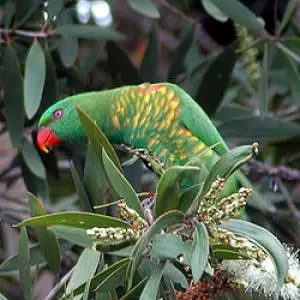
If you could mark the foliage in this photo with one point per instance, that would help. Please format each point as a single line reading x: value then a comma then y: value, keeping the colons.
x: 125, y: 245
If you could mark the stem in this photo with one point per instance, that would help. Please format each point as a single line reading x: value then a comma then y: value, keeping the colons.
x: 32, y: 34
x: 59, y: 285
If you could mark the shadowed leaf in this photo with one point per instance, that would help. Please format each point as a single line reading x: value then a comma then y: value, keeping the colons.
x: 34, y: 79
x: 13, y: 95
x: 24, y: 266
x: 48, y: 243
x: 145, y: 7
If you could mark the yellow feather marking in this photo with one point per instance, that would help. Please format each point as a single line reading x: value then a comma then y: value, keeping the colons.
x: 127, y: 121
x: 147, y: 110
x: 116, y: 121
x: 170, y: 94
x: 174, y: 103
x: 146, y: 98
x: 135, y: 120
x: 208, y: 153
x: 163, y: 90
x: 198, y: 148
x: 152, y: 142
x: 156, y: 111
x: 182, y: 156
x: 142, y: 120
x: 170, y: 117
x: 118, y: 108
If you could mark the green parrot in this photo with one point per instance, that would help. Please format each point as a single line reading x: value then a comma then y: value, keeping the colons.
x: 161, y: 118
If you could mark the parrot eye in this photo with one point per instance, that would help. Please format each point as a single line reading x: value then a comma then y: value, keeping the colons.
x: 58, y: 113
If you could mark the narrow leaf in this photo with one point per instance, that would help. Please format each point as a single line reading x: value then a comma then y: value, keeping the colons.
x: 13, y: 95
x: 289, y: 52
x: 213, y: 11
x: 168, y: 191
x: 177, y: 61
x: 120, y: 65
x: 34, y: 79
x: 24, y: 266
x: 50, y: 92
x: 48, y: 242
x: 54, y: 7
x: 94, y: 176
x: 257, y: 129
x: 215, y: 80
x: 145, y: 7
x: 83, y: 197
x: 150, y: 59
x: 200, y: 251
x: 267, y: 240
x: 121, y: 185
x: 89, y: 32
x: 239, y: 13
x: 163, y: 222
x: 68, y: 49
x: 288, y: 14
x: 264, y: 84
x: 151, y: 287
x: 75, y: 219
x: 32, y: 159
x: 175, y: 275
x: 77, y: 236
x: 85, y: 268
x: 108, y: 279
x: 229, y: 163
x: 97, y: 138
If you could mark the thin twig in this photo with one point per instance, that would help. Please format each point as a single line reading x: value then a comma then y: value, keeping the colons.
x: 32, y: 34
x: 59, y: 285
x: 291, y: 205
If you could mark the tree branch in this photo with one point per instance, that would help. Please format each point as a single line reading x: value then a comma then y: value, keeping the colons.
x: 32, y: 34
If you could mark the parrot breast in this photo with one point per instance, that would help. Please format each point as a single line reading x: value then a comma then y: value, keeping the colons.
x: 147, y: 116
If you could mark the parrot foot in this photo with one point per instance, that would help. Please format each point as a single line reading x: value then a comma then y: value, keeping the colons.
x: 147, y: 205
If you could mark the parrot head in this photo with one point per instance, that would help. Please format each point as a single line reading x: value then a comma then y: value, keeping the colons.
x: 59, y: 123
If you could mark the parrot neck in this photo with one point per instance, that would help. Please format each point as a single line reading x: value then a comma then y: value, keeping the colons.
x: 98, y: 106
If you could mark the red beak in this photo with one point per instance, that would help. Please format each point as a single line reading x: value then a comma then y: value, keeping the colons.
x: 46, y: 138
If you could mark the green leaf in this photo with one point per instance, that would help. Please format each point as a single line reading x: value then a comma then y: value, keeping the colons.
x: 48, y: 243
x: 288, y: 14
x: 24, y: 266
x: 120, y: 65
x: 177, y: 61
x: 77, y: 236
x: 150, y: 60
x: 50, y: 92
x: 293, y: 75
x: 226, y: 252
x: 167, y: 246
x: 200, y: 251
x: 213, y: 11
x: 188, y: 197
x: 32, y: 159
x: 94, y: 177
x: 36, y: 257
x: 25, y: 10
x: 239, y: 13
x: 136, y: 290
x: 9, y: 7
x: 34, y: 79
x: 53, y: 8
x: 2, y: 297
x: 168, y: 190
x: 121, y: 185
x: 175, y: 275
x: 151, y: 288
x: 108, y: 279
x: 13, y: 95
x: 163, y: 222
x: 83, y: 197
x: 145, y: 7
x: 215, y: 80
x: 89, y: 32
x: 85, y: 268
x: 257, y: 129
x: 267, y: 240
x: 75, y: 219
x: 229, y: 163
x: 264, y: 84
x: 97, y: 138
x: 86, y: 290
x: 68, y: 49
x: 289, y: 52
